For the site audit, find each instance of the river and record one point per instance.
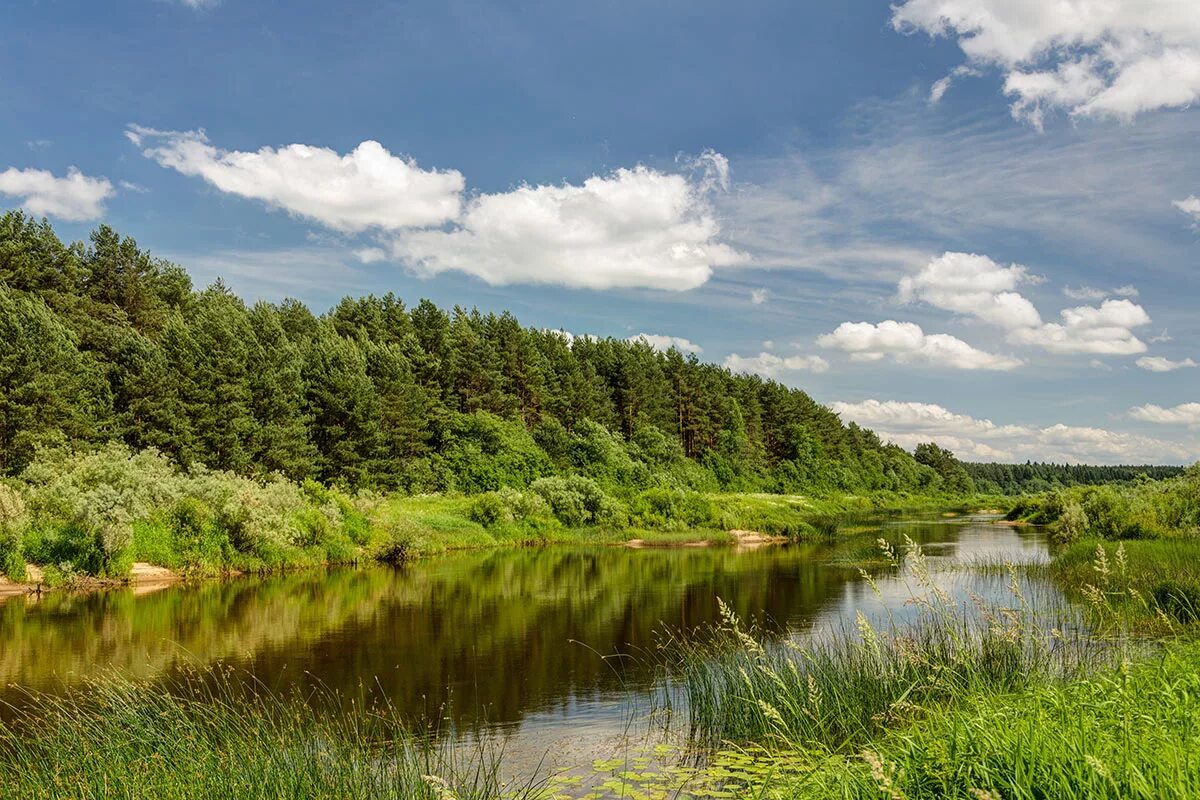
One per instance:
(548, 648)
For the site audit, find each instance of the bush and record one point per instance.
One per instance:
(576, 501)
(671, 509)
(483, 452)
(12, 561)
(12, 518)
(508, 506)
(1072, 525)
(489, 509)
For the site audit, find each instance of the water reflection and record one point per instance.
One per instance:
(508, 639)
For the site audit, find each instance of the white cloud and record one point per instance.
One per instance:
(370, 255)
(1182, 414)
(976, 286)
(759, 296)
(635, 227)
(909, 423)
(907, 343)
(1104, 330)
(770, 365)
(663, 343)
(1160, 364)
(1190, 205)
(973, 285)
(368, 188)
(74, 198)
(1091, 293)
(1113, 58)
(1084, 293)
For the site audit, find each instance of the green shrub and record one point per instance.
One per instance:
(671, 509)
(12, 561)
(489, 509)
(576, 501)
(1072, 525)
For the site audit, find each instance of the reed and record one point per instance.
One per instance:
(215, 734)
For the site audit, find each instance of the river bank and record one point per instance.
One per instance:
(944, 681)
(169, 544)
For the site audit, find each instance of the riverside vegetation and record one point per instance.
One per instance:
(141, 420)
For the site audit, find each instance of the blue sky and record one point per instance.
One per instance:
(969, 220)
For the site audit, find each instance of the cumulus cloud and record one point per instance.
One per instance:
(367, 188)
(1103, 330)
(977, 287)
(1114, 58)
(909, 423)
(1182, 414)
(907, 343)
(663, 343)
(1160, 364)
(634, 227)
(1190, 205)
(770, 365)
(973, 285)
(74, 198)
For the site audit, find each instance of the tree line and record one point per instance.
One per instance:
(1032, 477)
(102, 342)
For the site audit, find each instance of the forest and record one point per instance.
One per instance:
(1032, 477)
(101, 342)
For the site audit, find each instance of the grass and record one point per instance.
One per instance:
(211, 735)
(1152, 583)
(839, 690)
(1126, 732)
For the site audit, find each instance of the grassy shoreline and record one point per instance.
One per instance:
(110, 516)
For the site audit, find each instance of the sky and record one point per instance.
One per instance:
(972, 221)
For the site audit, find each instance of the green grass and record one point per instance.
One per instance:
(842, 689)
(1154, 583)
(1126, 732)
(211, 735)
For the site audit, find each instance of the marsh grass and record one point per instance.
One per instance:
(216, 734)
(1125, 732)
(1151, 584)
(837, 691)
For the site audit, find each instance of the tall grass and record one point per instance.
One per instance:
(213, 735)
(838, 691)
(1127, 732)
(1154, 583)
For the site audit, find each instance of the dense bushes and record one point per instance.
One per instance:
(1143, 510)
(97, 512)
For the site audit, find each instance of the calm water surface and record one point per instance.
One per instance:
(507, 641)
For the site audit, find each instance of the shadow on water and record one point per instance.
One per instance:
(541, 645)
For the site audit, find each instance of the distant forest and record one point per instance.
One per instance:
(102, 342)
(1041, 477)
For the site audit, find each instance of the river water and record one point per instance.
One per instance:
(547, 648)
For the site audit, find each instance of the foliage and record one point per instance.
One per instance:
(577, 501)
(99, 511)
(1142, 510)
(103, 343)
(214, 734)
(1032, 477)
